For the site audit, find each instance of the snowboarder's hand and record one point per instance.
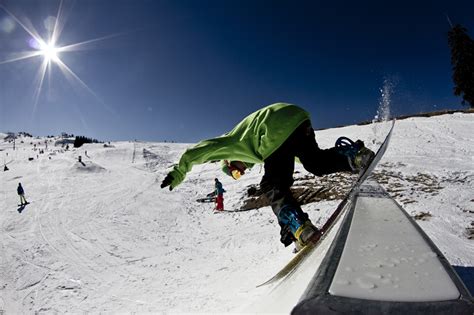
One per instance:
(167, 181)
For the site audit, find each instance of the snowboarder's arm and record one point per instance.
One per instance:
(216, 149)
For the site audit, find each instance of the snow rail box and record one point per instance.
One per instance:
(381, 262)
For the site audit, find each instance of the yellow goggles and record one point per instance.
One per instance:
(236, 174)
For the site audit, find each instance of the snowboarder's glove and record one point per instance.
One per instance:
(167, 181)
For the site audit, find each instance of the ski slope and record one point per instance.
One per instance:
(103, 237)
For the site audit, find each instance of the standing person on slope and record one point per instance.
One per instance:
(275, 135)
(21, 193)
(219, 192)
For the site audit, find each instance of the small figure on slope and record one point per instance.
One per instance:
(21, 193)
(275, 135)
(219, 193)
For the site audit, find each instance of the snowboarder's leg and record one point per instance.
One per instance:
(276, 183)
(350, 157)
(315, 160)
(294, 222)
(23, 200)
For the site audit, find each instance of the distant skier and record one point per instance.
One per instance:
(79, 159)
(219, 192)
(21, 193)
(275, 135)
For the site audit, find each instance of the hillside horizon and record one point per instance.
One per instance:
(365, 122)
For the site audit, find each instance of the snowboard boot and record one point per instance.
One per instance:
(304, 234)
(300, 226)
(363, 158)
(286, 237)
(357, 154)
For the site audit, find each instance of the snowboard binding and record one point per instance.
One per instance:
(298, 223)
(358, 155)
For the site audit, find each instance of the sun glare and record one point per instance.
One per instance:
(50, 52)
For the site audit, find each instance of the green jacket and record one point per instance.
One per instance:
(254, 139)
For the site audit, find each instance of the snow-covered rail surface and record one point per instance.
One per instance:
(381, 262)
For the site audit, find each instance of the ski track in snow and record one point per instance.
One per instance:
(105, 238)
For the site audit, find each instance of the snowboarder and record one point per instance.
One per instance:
(219, 193)
(21, 193)
(275, 135)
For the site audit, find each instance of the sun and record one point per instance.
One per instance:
(49, 51)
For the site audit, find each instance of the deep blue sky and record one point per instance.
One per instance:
(187, 70)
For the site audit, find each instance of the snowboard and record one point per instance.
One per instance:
(210, 197)
(207, 199)
(296, 261)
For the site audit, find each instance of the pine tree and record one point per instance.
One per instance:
(80, 140)
(462, 60)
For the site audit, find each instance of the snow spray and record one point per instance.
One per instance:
(383, 111)
(386, 92)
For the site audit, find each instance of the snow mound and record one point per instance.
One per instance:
(87, 167)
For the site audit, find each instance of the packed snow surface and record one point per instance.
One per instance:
(396, 267)
(101, 236)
